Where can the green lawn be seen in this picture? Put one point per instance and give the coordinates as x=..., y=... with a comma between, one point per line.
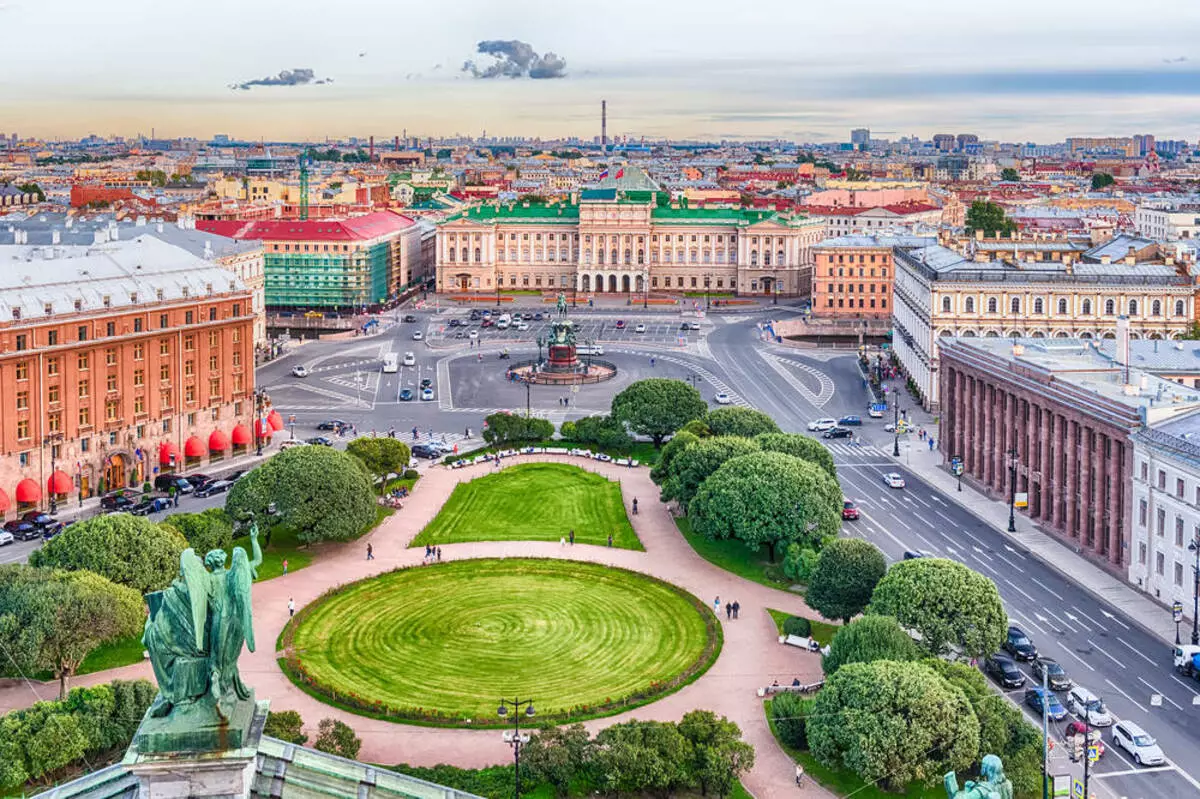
x=735, y=557
x=110, y=656
x=822, y=631
x=285, y=546
x=533, y=502
x=441, y=643
x=846, y=783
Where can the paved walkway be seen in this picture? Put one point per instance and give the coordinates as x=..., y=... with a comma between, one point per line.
x=751, y=656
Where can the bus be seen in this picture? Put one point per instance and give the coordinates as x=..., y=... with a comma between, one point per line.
x=391, y=363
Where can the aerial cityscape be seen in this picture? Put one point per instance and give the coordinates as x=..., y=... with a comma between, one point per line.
x=481, y=403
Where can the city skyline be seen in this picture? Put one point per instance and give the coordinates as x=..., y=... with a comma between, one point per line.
x=771, y=72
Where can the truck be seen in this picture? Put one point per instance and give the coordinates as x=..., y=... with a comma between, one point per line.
x=391, y=363
x=1187, y=661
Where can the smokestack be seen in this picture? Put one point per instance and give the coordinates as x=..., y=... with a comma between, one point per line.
x=604, y=128
x=396, y=143
x=371, y=151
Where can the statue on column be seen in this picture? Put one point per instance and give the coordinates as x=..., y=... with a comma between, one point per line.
x=992, y=784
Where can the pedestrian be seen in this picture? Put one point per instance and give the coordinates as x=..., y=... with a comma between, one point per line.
x=635, y=506
x=931, y=443
x=736, y=608
x=562, y=541
x=728, y=611
x=370, y=552
x=717, y=605
x=414, y=432
x=651, y=363
x=291, y=607
x=285, y=566
x=610, y=540
x=572, y=537
x=428, y=551
x=799, y=775
x=439, y=554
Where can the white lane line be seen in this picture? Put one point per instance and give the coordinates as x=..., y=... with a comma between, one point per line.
x=1195, y=783
x=1051, y=593
x=1184, y=684
x=1113, y=685
x=1071, y=652
x=1071, y=627
x=1113, y=618
x=1127, y=772
x=1098, y=648
x=903, y=523
x=1089, y=618
x=1028, y=622
x=1010, y=563
x=1019, y=590
x=886, y=532
x=1160, y=693
x=1135, y=651
x=944, y=516
x=921, y=501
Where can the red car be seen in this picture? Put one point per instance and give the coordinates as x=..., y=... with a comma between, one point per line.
x=620, y=324
x=849, y=510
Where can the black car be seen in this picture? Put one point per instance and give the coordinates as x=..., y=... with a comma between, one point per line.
x=409, y=318
x=838, y=432
x=1055, y=675
x=913, y=554
x=426, y=382
x=321, y=441
x=218, y=486
x=52, y=530
x=1003, y=670
x=198, y=480
x=425, y=451
x=165, y=482
x=1019, y=646
x=537, y=317
x=116, y=502
x=22, y=531
x=475, y=315
x=845, y=421
x=38, y=519
x=453, y=323
x=331, y=424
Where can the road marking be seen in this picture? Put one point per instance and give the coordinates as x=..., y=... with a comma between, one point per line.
x=1111, y=617
x=1177, y=679
x=1102, y=652
x=1015, y=552
x=1020, y=591
x=1160, y=693
x=944, y=516
x=885, y=531
x=1010, y=563
x=937, y=499
x=1113, y=685
x=1127, y=772
x=1135, y=651
x=1063, y=623
x=979, y=551
x=1028, y=622
x=1071, y=652
x=1051, y=593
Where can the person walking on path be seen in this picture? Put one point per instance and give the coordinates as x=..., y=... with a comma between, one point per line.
x=736, y=608
x=571, y=538
x=610, y=540
x=717, y=605
x=291, y=607
x=439, y=554
x=635, y=506
x=728, y=611
x=414, y=432
x=285, y=566
x=370, y=552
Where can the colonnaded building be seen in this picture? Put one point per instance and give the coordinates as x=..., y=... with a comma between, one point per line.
x=625, y=237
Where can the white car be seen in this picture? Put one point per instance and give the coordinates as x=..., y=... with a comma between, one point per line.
x=640, y=329
x=522, y=326
x=693, y=325
x=821, y=425
x=893, y=480
x=473, y=334
x=410, y=359
x=299, y=371
x=292, y=442
x=722, y=398
x=427, y=393
x=6, y=538
x=1137, y=742
x=1080, y=701
x=417, y=336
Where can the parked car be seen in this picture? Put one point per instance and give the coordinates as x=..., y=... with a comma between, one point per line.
x=474, y=315
x=486, y=323
x=620, y=324
x=426, y=382
x=527, y=316
x=460, y=334
x=1081, y=702
x=913, y=554
x=150, y=505
x=1055, y=675
x=473, y=334
x=418, y=335
x=1037, y=697
x=1003, y=670
x=821, y=425
x=406, y=394
x=1137, y=742
x=323, y=441
x=300, y=371
x=164, y=483
x=693, y=325
x=22, y=530
x=53, y=530
x=424, y=451
x=6, y=538
x=292, y=442
x=903, y=427
x=219, y=486
x=849, y=509
x=537, y=317
x=838, y=432
x=876, y=411
x=116, y=502
x=331, y=424
x=198, y=479
x=453, y=323
x=426, y=393
x=1018, y=645
x=722, y=398
x=640, y=329
x=893, y=480
x=38, y=519
x=847, y=421
x=522, y=326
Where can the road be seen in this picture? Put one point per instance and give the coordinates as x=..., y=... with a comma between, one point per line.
x=1098, y=646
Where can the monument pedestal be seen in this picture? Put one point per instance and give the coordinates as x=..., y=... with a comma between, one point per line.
x=166, y=771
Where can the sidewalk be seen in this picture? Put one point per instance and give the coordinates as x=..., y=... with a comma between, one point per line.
x=928, y=465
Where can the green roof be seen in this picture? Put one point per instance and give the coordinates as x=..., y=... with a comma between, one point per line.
x=533, y=213
x=568, y=214
x=712, y=216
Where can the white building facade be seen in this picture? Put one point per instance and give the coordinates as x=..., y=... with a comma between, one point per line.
x=1167, y=223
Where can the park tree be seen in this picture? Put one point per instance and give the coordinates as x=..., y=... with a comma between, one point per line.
x=639, y=756
x=670, y=451
x=693, y=466
x=790, y=713
x=321, y=493
x=509, y=428
x=946, y=603
x=337, y=738
x=286, y=725
x=51, y=619
x=892, y=724
x=799, y=446
x=1010, y=175
x=799, y=562
x=868, y=639
x=205, y=531
x=735, y=421
x=380, y=456
x=558, y=755
x=1102, y=180
x=768, y=499
x=988, y=217
x=696, y=427
x=846, y=574
x=603, y=431
x=129, y=550
x=657, y=407
x=719, y=755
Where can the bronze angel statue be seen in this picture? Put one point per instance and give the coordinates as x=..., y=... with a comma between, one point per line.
x=195, y=632
x=992, y=784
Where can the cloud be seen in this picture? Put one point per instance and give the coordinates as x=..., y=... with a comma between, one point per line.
x=513, y=58
x=287, y=77
x=1176, y=60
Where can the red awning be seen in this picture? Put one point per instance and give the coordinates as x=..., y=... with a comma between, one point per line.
x=59, y=483
x=194, y=448
x=218, y=441
x=28, y=491
x=4, y=503
x=165, y=451
x=275, y=420
x=262, y=429
x=241, y=435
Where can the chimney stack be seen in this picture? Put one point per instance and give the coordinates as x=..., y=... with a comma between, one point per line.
x=371, y=151
x=604, y=128
x=1122, y=355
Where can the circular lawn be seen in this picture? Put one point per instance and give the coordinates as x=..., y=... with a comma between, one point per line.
x=443, y=643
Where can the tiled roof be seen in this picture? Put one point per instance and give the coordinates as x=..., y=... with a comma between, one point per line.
x=355, y=228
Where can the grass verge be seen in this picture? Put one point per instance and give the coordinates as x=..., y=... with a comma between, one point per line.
x=735, y=557
x=823, y=631
x=642, y=451
x=123, y=652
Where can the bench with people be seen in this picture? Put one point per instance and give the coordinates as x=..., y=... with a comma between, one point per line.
x=804, y=642
x=796, y=687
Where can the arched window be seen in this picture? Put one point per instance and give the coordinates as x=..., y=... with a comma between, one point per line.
x=1156, y=308
x=992, y=305
x=629, y=256
x=754, y=257
x=1087, y=307
x=641, y=256
x=477, y=256
x=767, y=258
x=779, y=258
x=969, y=305
x=587, y=257
x=450, y=252
x=1179, y=307
x=1015, y=305
x=1062, y=307
x=945, y=305
x=463, y=255
x=613, y=254
x=1038, y=306
x=1110, y=307
x=1133, y=307
x=695, y=257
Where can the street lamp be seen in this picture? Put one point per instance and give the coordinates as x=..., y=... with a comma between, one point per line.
x=514, y=738
x=1012, y=490
x=694, y=379
x=645, y=288
x=896, y=426
x=497, y=285
x=52, y=440
x=1195, y=547
x=707, y=281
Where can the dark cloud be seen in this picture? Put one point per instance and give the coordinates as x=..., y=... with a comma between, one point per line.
x=287, y=77
x=1176, y=60
x=515, y=59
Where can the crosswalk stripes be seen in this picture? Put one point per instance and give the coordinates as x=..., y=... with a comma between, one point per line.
x=854, y=449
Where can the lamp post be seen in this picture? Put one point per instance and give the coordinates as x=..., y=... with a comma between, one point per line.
x=497, y=285
x=1195, y=548
x=1012, y=490
x=52, y=440
x=694, y=379
x=645, y=288
x=896, y=427
x=514, y=738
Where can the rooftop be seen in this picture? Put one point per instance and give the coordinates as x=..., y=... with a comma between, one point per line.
x=355, y=228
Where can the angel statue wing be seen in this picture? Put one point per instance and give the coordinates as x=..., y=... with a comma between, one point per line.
x=197, y=580
x=238, y=582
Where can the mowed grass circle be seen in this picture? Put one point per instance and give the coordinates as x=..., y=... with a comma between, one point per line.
x=534, y=502
x=443, y=643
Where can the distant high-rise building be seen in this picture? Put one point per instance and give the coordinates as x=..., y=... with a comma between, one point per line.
x=944, y=142
x=860, y=138
x=1143, y=143
x=964, y=140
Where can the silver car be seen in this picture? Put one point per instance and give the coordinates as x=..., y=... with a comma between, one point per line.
x=1138, y=743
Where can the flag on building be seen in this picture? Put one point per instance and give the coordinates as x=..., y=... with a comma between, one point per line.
x=603, y=175
x=620, y=173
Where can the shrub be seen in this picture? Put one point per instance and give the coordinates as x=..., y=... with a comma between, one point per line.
x=205, y=531
x=799, y=562
x=868, y=639
x=603, y=431
x=567, y=431
x=509, y=428
x=789, y=712
x=337, y=738
x=735, y=421
x=129, y=550
x=797, y=625
x=411, y=474
x=286, y=725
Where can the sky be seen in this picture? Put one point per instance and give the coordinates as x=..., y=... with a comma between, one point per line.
x=1021, y=70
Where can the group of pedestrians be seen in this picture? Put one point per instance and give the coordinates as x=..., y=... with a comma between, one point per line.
x=432, y=554
x=731, y=608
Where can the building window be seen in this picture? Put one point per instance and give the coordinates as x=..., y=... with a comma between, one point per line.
x=162, y=319
x=945, y=303
x=991, y=305
x=214, y=387
x=22, y=429
x=189, y=317
x=110, y=411
x=1142, y=508
x=1158, y=563
x=164, y=372
x=1178, y=574
x=189, y=368
x=51, y=338
x=22, y=370
x=52, y=366
x=1161, y=522
x=83, y=362
x=54, y=422
x=137, y=325
x=22, y=400
x=82, y=333
x=22, y=341
x=1162, y=480
x=111, y=383
x=212, y=314
x=1015, y=305
x=139, y=405
x=54, y=394
x=1087, y=307
x=1146, y=476
x=1178, y=531
x=189, y=343
x=969, y=305
x=110, y=356
x=1062, y=307
x=110, y=329
x=1156, y=308
x=1179, y=307
x=212, y=338
x=1038, y=305
x=1110, y=307
x=139, y=352
x=1133, y=307
x=83, y=388
x=85, y=419
x=139, y=377
x=1179, y=488
x=189, y=395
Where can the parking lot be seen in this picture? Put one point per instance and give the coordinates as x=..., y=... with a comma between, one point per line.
x=659, y=330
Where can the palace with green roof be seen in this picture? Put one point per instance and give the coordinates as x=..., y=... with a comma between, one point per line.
x=625, y=236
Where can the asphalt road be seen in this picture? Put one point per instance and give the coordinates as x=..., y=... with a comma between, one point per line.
x=1099, y=647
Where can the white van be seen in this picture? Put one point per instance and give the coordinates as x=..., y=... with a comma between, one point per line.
x=589, y=349
x=410, y=359
x=503, y=322
x=1080, y=701
x=391, y=363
